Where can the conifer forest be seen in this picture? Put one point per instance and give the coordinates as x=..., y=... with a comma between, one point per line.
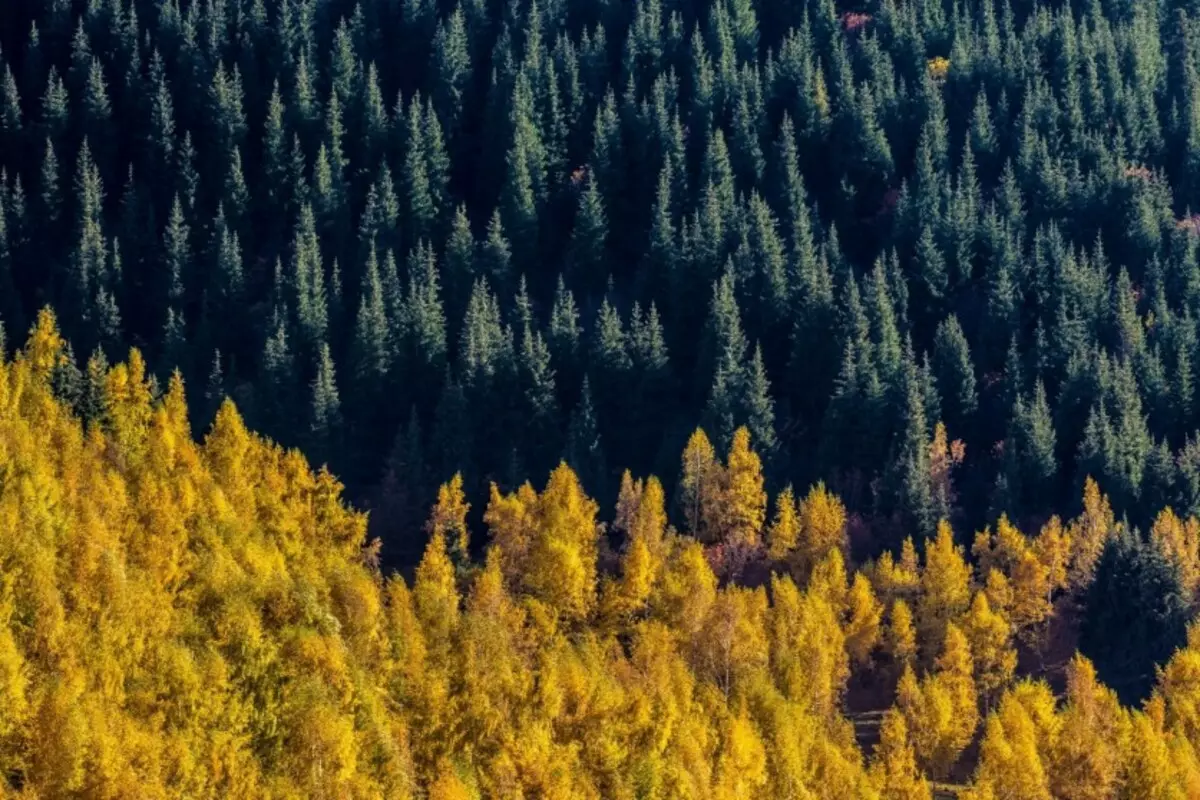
x=600, y=399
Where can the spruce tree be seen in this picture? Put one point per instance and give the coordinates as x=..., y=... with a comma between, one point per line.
x=325, y=408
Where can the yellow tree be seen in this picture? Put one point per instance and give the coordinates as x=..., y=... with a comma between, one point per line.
x=1010, y=762
x=863, y=616
x=648, y=523
x=829, y=580
x=894, y=580
x=435, y=597
x=700, y=488
x=894, y=764
x=1053, y=550
x=942, y=711
x=822, y=528
x=1088, y=534
x=745, y=499
x=901, y=635
x=561, y=570
x=492, y=667
x=687, y=590
x=1157, y=764
x=988, y=634
x=44, y=347
x=1180, y=541
x=1032, y=588
x=784, y=532
x=447, y=785
x=999, y=591
x=14, y=690
x=732, y=643
x=807, y=648
x=628, y=498
x=741, y=762
x=449, y=518
x=1178, y=690
x=1085, y=761
x=945, y=589
x=512, y=525
x=127, y=405
x=644, y=520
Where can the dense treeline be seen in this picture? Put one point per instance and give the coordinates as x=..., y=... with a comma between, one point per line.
x=183, y=619
x=423, y=238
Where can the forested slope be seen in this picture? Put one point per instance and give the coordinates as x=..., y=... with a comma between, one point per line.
x=183, y=619
x=423, y=238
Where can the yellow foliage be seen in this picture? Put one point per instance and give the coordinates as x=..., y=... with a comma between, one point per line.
x=449, y=517
x=628, y=498
x=807, y=649
x=1085, y=759
x=742, y=763
x=939, y=67
x=945, y=589
x=901, y=635
x=732, y=645
x=207, y=620
x=988, y=634
x=829, y=580
x=1158, y=765
x=864, y=615
x=449, y=786
x=894, y=765
x=549, y=542
x=822, y=527
x=435, y=594
x=700, y=487
x=745, y=501
x=1088, y=534
x=941, y=710
x=648, y=524
x=784, y=532
x=1180, y=541
x=687, y=590
x=1010, y=764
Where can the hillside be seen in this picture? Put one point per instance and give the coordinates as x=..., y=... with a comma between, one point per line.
x=182, y=619
x=727, y=398
x=608, y=223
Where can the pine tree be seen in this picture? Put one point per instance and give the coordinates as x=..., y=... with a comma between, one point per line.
x=758, y=407
x=452, y=66
x=372, y=341
x=306, y=281
x=324, y=407
x=955, y=373
x=584, y=450
x=910, y=465
x=587, y=260
x=1136, y=590
x=495, y=254
x=420, y=203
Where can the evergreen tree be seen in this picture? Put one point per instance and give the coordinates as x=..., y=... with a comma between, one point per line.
x=587, y=249
x=955, y=374
x=1136, y=591
x=584, y=451
x=324, y=408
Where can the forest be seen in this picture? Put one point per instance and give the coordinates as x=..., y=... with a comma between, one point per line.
x=727, y=398
x=208, y=620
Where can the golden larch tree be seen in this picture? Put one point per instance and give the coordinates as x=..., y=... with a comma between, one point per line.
x=700, y=488
x=783, y=534
x=894, y=764
x=745, y=499
x=945, y=589
x=822, y=528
